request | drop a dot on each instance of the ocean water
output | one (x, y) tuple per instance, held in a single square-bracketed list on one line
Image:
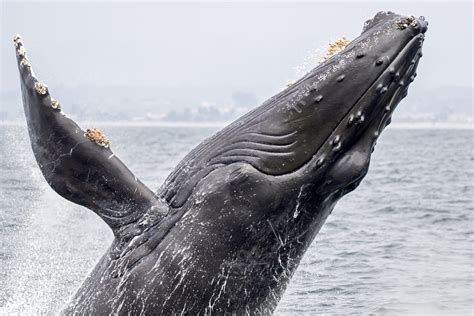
[(401, 243)]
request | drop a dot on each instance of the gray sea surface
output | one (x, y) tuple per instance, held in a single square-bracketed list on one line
[(401, 243)]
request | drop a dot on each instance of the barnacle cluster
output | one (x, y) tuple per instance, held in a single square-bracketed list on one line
[(41, 88), (17, 40), (25, 63), (409, 20), (21, 51), (55, 104), (97, 137), (336, 47)]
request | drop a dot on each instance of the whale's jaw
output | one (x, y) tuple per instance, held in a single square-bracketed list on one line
[(323, 117)]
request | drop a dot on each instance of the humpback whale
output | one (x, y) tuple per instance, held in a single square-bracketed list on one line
[(228, 227)]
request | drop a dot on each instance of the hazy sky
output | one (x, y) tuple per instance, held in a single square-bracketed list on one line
[(230, 46)]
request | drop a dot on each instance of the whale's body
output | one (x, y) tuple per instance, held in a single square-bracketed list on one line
[(226, 231)]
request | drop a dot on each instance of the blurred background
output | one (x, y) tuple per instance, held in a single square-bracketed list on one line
[(158, 78), (212, 62)]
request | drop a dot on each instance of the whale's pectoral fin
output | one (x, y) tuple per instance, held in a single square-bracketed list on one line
[(77, 164)]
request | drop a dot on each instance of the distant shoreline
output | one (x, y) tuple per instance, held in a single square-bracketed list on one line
[(97, 124)]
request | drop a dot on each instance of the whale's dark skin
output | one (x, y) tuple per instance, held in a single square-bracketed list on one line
[(226, 231)]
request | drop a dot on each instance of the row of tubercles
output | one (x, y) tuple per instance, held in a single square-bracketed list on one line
[(409, 21), (318, 98), (358, 117)]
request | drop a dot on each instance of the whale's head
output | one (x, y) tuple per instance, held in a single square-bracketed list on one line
[(320, 130), (359, 89)]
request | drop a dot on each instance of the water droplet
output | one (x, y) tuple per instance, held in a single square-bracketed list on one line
[(379, 61), (387, 108), (383, 90), (318, 98), (360, 55), (340, 78), (359, 117), (401, 83), (379, 86), (351, 120), (320, 162), (297, 108)]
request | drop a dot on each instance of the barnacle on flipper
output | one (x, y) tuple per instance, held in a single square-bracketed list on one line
[(17, 40), (21, 51), (41, 88), (97, 137), (25, 63), (336, 47), (55, 104)]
